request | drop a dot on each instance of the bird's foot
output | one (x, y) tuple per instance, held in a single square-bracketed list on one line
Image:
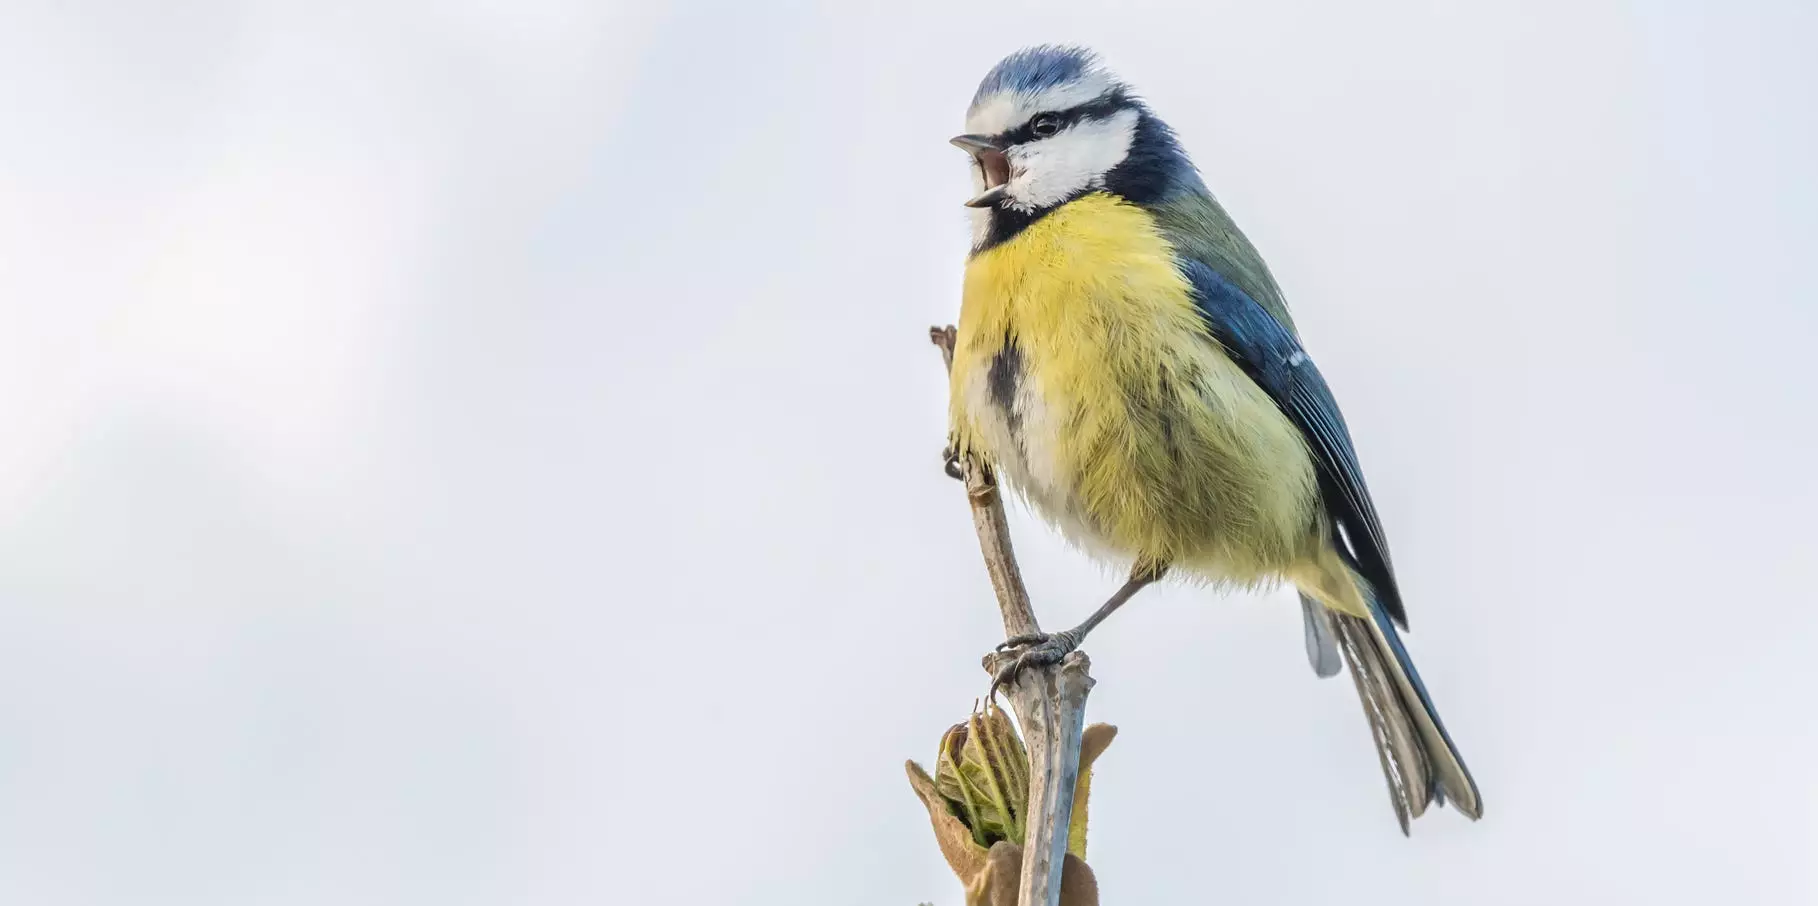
[(950, 463), (1040, 649)]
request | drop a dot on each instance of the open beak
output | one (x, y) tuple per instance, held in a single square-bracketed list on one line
[(991, 162)]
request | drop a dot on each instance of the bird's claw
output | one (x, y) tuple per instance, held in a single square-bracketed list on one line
[(1022, 641), (1040, 649), (950, 463), (956, 459)]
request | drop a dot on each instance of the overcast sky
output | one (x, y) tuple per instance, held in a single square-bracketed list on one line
[(487, 452)]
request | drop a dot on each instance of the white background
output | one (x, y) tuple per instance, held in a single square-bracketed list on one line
[(486, 452)]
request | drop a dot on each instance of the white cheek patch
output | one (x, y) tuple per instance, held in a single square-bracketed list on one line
[(1049, 171)]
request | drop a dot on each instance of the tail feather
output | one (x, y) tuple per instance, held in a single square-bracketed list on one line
[(1322, 645), (1419, 759), (1404, 759)]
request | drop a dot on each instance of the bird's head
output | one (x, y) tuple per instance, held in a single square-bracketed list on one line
[(1050, 124)]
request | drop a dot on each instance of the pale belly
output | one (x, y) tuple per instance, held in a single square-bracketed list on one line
[(1207, 476)]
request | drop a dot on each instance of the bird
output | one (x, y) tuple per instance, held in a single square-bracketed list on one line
[(1124, 360)]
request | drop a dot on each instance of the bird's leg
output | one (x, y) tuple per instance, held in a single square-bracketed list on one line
[(1043, 648), (1141, 576)]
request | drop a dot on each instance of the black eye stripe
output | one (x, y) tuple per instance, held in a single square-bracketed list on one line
[(1153, 170), (1100, 108)]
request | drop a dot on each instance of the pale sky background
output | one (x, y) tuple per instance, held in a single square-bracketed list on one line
[(487, 452)]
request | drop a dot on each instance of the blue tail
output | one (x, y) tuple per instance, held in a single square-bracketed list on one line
[(1419, 759)]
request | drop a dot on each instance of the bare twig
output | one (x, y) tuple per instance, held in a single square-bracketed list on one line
[(1050, 702)]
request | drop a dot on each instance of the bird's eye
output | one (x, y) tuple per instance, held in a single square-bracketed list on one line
[(1045, 125)]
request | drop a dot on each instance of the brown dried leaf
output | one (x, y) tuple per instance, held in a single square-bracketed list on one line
[(996, 884), (965, 857)]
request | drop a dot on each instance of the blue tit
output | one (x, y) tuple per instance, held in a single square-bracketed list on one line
[(1125, 362)]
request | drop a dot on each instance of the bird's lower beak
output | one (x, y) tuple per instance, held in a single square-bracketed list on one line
[(991, 162)]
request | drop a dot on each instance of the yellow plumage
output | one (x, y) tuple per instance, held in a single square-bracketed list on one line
[(1084, 374), (1089, 372)]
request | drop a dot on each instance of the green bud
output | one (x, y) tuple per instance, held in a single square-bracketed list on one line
[(978, 802), (983, 774)]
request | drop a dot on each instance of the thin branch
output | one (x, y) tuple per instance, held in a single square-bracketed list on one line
[(1050, 702)]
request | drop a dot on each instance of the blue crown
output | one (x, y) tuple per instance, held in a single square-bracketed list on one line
[(1036, 69)]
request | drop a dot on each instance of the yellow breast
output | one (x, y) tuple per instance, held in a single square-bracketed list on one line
[(1084, 373)]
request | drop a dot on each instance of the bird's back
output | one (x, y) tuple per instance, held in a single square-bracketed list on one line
[(1085, 373)]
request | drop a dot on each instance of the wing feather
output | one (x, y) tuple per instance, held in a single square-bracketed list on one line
[(1270, 353)]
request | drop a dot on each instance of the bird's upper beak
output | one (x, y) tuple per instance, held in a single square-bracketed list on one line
[(991, 162)]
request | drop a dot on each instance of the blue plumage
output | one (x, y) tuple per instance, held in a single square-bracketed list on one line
[(1386, 628), (1036, 69), (1275, 360), (1055, 135)]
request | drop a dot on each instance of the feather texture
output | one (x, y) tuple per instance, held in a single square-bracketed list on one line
[(1321, 639), (1271, 355), (1128, 363), (1082, 370)]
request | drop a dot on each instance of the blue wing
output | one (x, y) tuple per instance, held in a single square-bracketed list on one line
[(1273, 358)]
